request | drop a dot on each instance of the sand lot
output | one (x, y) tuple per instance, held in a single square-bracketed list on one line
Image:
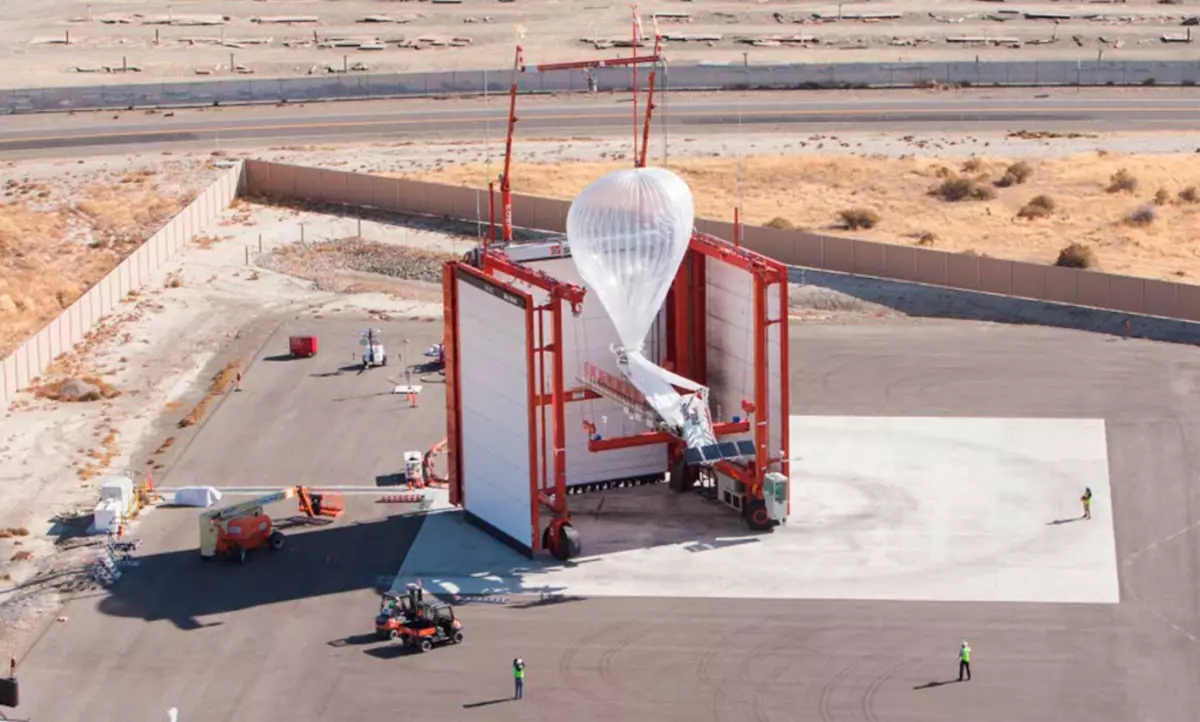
[(811, 190), (71, 42)]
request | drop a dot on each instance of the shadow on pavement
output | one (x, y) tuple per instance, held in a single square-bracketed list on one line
[(486, 703), (931, 685), (342, 557), (1064, 521)]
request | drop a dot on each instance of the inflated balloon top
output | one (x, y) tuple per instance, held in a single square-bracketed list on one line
[(629, 231)]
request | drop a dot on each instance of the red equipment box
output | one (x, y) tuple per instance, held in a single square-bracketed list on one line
[(302, 346)]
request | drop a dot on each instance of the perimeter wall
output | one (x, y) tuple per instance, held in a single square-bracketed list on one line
[(1019, 279), (31, 358)]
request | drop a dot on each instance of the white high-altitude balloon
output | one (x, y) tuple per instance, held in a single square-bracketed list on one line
[(629, 231)]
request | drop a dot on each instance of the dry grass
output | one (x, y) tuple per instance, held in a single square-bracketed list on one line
[(856, 218), (220, 384), (954, 189), (13, 531), (100, 457), (53, 390), (50, 255), (1037, 207), (1122, 181), (810, 190), (779, 223), (1076, 255), (1142, 217), (21, 556)]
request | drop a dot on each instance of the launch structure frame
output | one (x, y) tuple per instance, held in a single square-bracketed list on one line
[(507, 318)]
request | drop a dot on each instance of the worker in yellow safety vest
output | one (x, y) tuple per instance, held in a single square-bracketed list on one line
[(518, 677), (964, 661), (1087, 502)]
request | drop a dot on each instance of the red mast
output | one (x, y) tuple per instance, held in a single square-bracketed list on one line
[(505, 183)]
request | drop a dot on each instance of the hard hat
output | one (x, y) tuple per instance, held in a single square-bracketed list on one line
[(964, 643)]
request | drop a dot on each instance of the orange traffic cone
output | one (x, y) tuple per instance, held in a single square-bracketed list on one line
[(412, 400), (149, 482)]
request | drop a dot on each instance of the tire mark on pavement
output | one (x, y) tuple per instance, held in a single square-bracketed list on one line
[(824, 704), (868, 700), (568, 657)]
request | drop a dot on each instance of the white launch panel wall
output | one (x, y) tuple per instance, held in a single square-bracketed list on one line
[(590, 337), (493, 388), (730, 304), (777, 376)]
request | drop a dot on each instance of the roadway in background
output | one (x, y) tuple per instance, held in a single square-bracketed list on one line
[(1092, 110)]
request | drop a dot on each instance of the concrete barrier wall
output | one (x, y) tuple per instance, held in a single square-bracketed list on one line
[(31, 359), (677, 77), (797, 248)]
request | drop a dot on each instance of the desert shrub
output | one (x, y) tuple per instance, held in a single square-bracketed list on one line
[(953, 190), (855, 218), (972, 165), (1039, 206), (1020, 171), (1162, 197), (1122, 180), (926, 238), (1143, 216), (1189, 194), (780, 224), (1076, 255)]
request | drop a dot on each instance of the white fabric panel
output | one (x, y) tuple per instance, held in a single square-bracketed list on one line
[(730, 341), (495, 406), (776, 376)]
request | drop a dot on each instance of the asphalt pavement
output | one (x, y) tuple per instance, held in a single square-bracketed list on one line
[(288, 635), (473, 118)]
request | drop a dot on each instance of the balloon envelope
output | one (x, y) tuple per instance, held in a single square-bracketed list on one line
[(629, 231)]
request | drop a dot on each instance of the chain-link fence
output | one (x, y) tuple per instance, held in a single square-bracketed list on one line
[(678, 77)]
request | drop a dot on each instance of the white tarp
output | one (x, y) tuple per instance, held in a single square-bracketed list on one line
[(201, 496)]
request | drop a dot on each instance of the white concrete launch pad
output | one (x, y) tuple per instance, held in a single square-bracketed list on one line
[(901, 508)]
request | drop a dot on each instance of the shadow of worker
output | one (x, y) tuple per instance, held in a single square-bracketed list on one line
[(486, 703), (931, 685)]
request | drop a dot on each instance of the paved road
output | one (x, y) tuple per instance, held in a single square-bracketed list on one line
[(405, 119), (283, 638)]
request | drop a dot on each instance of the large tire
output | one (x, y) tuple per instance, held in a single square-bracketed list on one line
[(458, 637), (426, 645), (756, 516), (568, 545), (276, 540)]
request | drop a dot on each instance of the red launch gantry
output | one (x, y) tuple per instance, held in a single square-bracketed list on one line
[(529, 374)]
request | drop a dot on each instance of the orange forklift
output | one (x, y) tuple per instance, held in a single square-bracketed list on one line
[(416, 623), (231, 531)]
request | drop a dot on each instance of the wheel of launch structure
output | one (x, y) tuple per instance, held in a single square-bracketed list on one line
[(567, 545), (276, 540), (756, 515)]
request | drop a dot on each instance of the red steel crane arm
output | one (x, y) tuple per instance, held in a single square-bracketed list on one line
[(495, 260), (505, 183)]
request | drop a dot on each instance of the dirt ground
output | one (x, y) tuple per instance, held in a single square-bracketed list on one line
[(811, 192), (65, 224), (72, 42)]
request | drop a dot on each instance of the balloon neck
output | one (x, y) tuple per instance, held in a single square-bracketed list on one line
[(622, 352)]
